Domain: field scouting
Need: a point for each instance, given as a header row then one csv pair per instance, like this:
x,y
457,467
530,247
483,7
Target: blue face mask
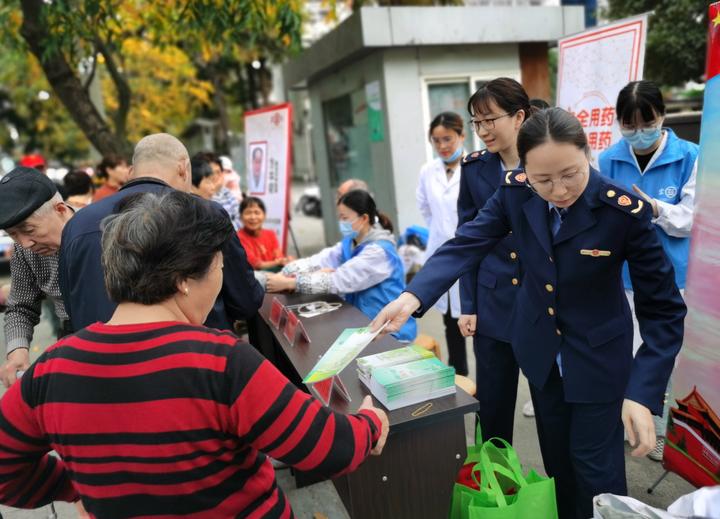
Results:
x,y
346,229
642,139
452,158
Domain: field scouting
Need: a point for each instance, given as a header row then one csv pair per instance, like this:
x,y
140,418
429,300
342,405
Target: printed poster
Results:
x,y
267,169
593,67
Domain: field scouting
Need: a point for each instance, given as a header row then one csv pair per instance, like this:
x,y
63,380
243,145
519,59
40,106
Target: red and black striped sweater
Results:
x,y
166,419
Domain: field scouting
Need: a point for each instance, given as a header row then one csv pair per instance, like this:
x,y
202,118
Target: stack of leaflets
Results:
x,y
400,384
365,365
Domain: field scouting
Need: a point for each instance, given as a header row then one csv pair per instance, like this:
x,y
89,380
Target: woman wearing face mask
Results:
x,y
487,293
661,168
571,325
437,197
364,267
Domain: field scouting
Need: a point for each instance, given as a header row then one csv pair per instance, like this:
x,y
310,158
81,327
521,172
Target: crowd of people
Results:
x,y
572,274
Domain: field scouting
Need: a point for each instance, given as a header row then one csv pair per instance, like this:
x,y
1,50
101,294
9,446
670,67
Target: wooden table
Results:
x,y
413,478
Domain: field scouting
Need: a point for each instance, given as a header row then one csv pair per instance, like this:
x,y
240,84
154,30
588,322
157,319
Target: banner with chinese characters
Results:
x,y
693,438
267,168
593,67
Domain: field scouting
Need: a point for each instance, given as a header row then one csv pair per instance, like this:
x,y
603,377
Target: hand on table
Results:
x,y
17,360
279,283
397,312
650,200
367,403
467,324
639,427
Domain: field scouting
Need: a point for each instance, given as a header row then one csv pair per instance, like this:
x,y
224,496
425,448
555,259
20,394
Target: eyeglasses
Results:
x,y
569,181
488,124
648,130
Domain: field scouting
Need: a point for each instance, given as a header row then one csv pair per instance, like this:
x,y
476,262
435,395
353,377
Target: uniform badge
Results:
x,y
521,177
611,194
638,208
595,253
475,155
624,201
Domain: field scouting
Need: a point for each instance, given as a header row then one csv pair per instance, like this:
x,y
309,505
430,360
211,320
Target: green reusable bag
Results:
x,y
467,488
505,493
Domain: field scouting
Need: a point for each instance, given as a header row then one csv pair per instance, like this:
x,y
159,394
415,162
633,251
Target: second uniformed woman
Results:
x,y
571,324
487,294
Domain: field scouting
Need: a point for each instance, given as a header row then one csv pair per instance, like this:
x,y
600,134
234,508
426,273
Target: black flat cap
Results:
x,y
22,192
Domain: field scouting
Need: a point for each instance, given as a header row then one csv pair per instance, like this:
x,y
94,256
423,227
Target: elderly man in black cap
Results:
x,y
33,213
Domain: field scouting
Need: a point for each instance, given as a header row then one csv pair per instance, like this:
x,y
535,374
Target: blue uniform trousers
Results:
x,y
582,447
497,380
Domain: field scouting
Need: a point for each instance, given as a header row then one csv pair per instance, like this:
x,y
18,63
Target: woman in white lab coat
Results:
x,y
437,194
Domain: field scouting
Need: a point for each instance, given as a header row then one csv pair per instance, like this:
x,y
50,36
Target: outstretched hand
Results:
x,y
396,313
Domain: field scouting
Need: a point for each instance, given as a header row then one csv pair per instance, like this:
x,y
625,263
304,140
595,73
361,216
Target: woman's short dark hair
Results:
x,y
639,96
201,169
507,93
449,120
250,201
362,203
77,183
207,156
155,241
550,124
109,162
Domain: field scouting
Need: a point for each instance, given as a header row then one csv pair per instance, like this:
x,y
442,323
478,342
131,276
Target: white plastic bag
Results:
x,y
610,506
704,503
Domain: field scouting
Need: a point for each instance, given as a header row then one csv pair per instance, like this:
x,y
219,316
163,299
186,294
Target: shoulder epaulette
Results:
x,y
472,157
514,177
623,200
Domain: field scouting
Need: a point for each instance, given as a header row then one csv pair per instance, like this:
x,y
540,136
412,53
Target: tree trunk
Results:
x,y
221,104
66,83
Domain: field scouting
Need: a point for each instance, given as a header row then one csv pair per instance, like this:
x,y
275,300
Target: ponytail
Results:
x,y
385,222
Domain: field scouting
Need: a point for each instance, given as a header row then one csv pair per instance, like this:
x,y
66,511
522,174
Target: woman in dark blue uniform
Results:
x,y
571,325
487,294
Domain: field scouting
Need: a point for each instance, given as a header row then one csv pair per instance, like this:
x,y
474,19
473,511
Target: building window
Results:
x,y
347,137
451,97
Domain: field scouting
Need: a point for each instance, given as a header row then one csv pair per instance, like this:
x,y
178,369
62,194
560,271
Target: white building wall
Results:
x,y
406,72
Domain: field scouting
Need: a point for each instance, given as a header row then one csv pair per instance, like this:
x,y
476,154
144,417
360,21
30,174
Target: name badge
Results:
x,y
595,253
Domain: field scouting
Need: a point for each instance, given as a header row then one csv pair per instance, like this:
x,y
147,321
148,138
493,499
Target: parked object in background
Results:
x,y
309,203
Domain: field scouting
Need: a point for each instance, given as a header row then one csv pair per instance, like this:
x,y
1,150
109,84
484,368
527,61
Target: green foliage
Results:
x,y
677,37
146,53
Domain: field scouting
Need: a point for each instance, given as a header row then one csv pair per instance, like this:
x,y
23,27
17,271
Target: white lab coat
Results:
x,y
437,200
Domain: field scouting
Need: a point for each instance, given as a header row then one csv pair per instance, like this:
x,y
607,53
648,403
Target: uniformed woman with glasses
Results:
x,y
487,293
571,326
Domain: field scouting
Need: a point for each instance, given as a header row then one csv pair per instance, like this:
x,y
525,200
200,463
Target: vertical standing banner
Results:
x,y
593,66
267,156
692,448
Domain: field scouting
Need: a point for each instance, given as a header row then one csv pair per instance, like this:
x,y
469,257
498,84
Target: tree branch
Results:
x,y
122,86
91,76
65,83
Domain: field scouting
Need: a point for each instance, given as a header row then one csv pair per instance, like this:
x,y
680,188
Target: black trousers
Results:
x,y
497,381
581,445
455,344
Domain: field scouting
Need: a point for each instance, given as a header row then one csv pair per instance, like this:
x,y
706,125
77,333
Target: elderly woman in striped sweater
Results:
x,y
152,413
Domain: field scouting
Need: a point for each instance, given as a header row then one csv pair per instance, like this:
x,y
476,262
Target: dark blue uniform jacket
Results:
x,y
81,274
571,298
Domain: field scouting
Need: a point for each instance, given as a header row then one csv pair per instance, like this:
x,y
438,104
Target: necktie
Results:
x,y
449,173
557,215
